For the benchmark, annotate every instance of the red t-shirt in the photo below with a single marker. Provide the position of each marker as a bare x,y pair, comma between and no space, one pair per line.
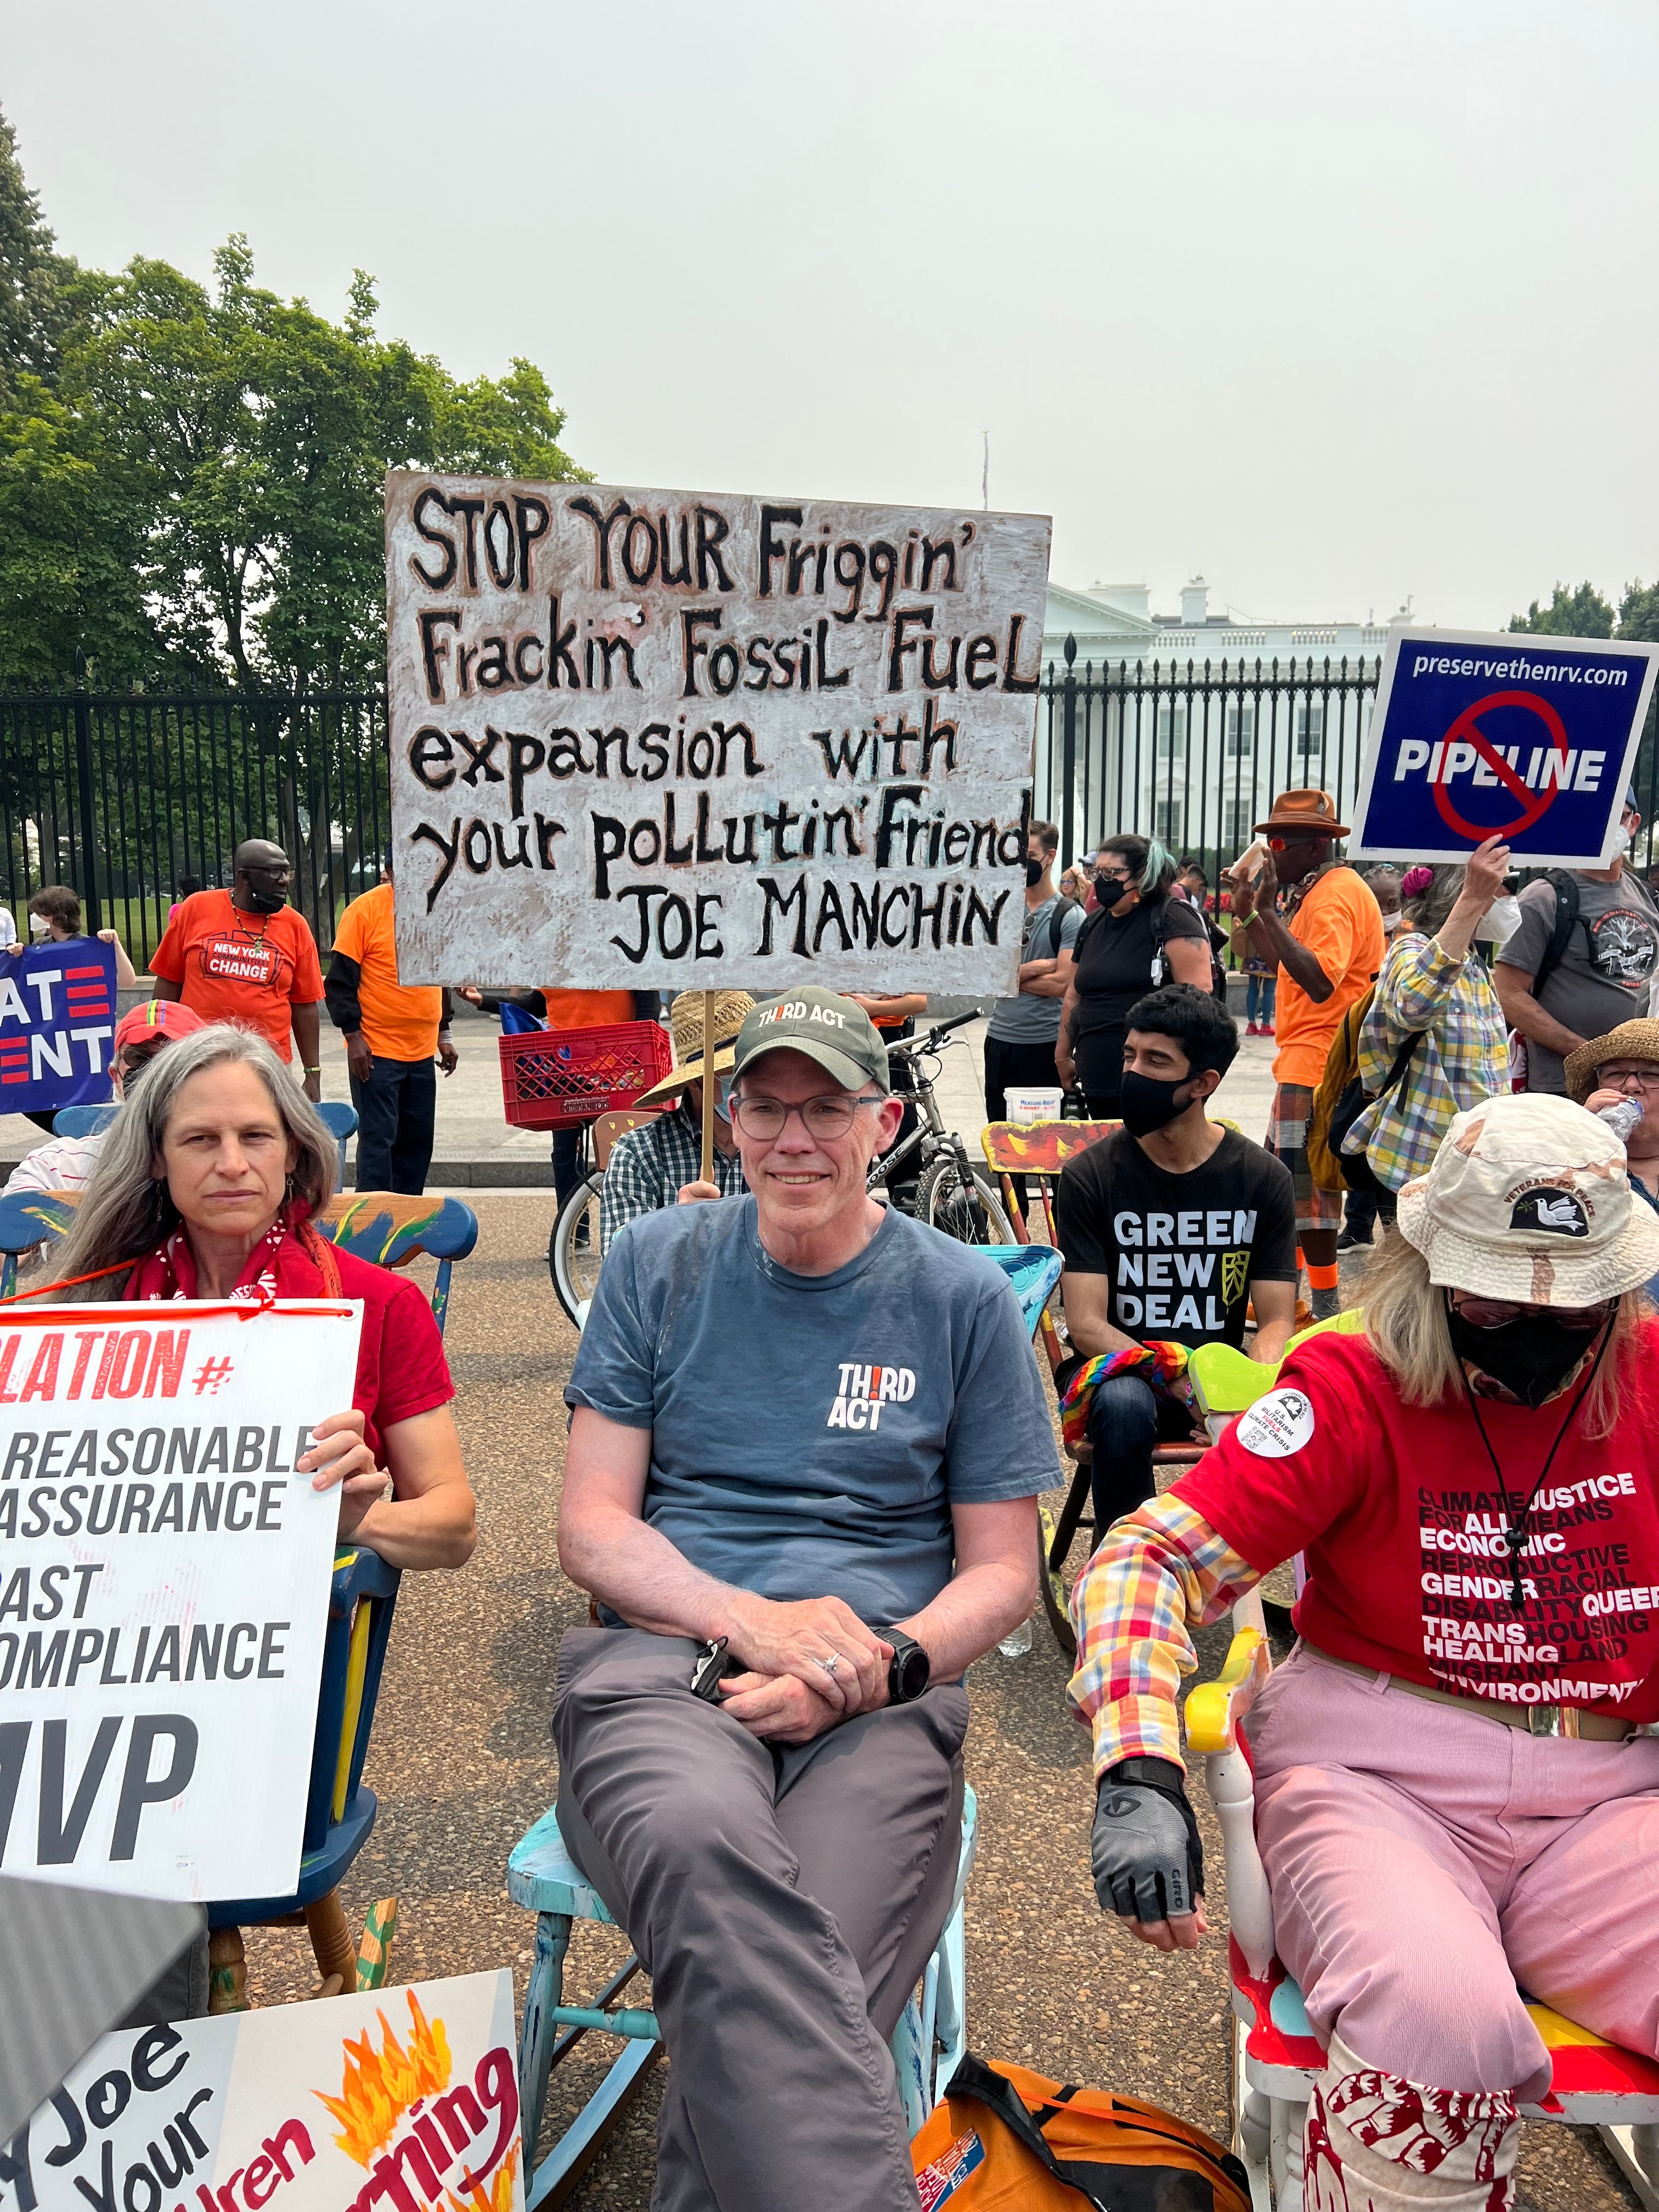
235,967
1398,1513
401,1368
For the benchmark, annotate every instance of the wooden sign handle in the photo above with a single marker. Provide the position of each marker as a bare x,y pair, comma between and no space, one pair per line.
708,1086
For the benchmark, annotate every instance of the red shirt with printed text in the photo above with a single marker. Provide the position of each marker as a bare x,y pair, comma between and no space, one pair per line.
235,967
1402,1522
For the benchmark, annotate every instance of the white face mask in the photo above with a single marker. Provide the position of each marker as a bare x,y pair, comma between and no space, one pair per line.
1621,843
1501,921
39,926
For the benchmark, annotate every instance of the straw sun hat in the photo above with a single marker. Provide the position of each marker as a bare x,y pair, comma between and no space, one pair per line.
685,1027
1630,1041
1528,1199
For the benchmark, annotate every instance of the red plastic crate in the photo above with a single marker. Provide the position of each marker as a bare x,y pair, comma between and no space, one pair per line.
549,1076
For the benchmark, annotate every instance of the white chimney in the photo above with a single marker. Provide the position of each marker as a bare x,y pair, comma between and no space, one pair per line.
1194,604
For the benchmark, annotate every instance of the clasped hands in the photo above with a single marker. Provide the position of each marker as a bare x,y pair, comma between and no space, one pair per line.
809,1666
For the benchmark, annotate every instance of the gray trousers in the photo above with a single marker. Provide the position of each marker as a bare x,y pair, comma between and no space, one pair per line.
784,1900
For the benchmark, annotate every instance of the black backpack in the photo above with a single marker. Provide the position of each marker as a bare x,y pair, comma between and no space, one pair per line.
1057,924
1566,914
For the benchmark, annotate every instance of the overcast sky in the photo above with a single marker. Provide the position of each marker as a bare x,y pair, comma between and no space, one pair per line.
1334,303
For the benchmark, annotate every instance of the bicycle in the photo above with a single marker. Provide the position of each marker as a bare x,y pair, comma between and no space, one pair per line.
947,1189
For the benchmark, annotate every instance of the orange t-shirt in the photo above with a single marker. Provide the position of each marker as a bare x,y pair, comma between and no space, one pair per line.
1341,925
587,1010
400,1021
232,967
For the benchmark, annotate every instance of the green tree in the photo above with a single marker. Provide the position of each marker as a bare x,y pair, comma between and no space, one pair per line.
1638,611
262,433
1583,613
72,535
36,282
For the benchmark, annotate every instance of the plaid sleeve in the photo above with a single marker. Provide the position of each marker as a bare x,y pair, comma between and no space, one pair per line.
633,1185
1162,1569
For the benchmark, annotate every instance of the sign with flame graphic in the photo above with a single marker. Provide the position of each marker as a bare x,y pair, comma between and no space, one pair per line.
396,2100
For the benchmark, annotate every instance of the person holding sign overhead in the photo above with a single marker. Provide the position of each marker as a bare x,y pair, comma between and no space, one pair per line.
244,955
1329,950
1583,959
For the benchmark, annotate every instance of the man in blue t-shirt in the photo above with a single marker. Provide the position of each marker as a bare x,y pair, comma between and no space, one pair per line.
808,1433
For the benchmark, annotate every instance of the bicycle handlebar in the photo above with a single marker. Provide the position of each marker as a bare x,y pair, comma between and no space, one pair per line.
939,1030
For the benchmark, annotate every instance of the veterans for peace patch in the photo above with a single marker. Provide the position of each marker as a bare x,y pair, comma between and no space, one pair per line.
1276,1426
1549,1210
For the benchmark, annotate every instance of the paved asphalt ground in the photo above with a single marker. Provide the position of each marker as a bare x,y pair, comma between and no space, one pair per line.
462,1762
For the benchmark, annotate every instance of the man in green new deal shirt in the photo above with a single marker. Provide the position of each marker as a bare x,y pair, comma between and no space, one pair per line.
1171,1226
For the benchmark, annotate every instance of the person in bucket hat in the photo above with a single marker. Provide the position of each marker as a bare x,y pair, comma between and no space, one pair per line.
1329,949
660,1162
67,1162
1614,1072
1452,1795
807,1441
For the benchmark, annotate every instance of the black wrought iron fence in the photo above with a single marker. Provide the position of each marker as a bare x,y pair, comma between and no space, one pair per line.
128,796
1192,753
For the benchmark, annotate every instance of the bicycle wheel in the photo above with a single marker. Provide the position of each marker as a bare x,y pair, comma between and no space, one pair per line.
971,1212
573,1255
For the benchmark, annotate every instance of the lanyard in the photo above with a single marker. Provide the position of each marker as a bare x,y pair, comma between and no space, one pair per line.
1516,1536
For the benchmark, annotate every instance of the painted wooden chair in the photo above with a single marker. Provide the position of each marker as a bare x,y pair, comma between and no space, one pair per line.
1275,2054
341,1122
926,2045
84,1120
388,1229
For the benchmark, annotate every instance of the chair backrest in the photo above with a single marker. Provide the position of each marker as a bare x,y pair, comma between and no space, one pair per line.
610,1126
84,1120
381,1226
1034,1270
341,1120
389,1230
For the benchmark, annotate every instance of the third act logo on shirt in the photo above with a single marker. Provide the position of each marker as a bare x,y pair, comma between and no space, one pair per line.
866,1391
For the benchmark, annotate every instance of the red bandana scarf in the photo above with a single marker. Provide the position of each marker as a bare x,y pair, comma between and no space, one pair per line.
287,1262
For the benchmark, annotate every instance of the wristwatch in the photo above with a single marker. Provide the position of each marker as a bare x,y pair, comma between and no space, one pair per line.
909,1671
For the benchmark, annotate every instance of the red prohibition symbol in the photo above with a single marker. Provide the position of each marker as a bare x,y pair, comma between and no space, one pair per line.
1466,731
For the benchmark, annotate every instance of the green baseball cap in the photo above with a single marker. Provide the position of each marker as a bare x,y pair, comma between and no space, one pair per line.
837,1032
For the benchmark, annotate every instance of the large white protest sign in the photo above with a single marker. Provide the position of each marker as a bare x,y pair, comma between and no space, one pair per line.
164,1577
650,738
403,2099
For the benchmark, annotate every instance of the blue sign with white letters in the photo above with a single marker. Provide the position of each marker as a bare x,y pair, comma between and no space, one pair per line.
57,1024
1478,734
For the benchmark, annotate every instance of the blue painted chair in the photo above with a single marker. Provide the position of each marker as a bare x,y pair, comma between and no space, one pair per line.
541,1875
84,1120
342,1122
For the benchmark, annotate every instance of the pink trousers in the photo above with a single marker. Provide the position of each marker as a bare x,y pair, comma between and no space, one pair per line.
1424,1860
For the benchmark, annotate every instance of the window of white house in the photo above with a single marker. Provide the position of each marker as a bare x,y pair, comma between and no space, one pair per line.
1310,727
1168,817
1238,816
1241,729
1171,729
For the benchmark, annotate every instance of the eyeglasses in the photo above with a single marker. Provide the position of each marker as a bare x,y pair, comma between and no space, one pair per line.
1495,1313
823,1118
1647,1077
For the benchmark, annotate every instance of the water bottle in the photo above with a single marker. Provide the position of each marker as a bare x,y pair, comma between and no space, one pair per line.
1622,1118
1017,1642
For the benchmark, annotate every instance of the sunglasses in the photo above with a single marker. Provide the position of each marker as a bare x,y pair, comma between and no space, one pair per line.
1496,1313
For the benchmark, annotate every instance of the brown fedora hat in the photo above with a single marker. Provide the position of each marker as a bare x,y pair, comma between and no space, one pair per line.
1303,813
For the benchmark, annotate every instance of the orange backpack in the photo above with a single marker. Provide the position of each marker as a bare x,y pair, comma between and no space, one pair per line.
1007,2140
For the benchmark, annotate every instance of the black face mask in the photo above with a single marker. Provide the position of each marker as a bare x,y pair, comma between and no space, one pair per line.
1035,871
266,901
1531,1356
1145,1104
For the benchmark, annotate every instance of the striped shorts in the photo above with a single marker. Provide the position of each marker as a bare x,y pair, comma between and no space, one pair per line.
1287,1139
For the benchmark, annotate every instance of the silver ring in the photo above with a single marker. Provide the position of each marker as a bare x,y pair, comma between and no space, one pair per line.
830,1664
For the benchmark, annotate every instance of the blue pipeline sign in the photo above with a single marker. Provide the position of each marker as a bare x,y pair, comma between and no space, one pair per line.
57,1024
1476,734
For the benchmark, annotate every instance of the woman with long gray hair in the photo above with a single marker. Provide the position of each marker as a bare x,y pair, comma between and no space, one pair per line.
204,1188
1434,1042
